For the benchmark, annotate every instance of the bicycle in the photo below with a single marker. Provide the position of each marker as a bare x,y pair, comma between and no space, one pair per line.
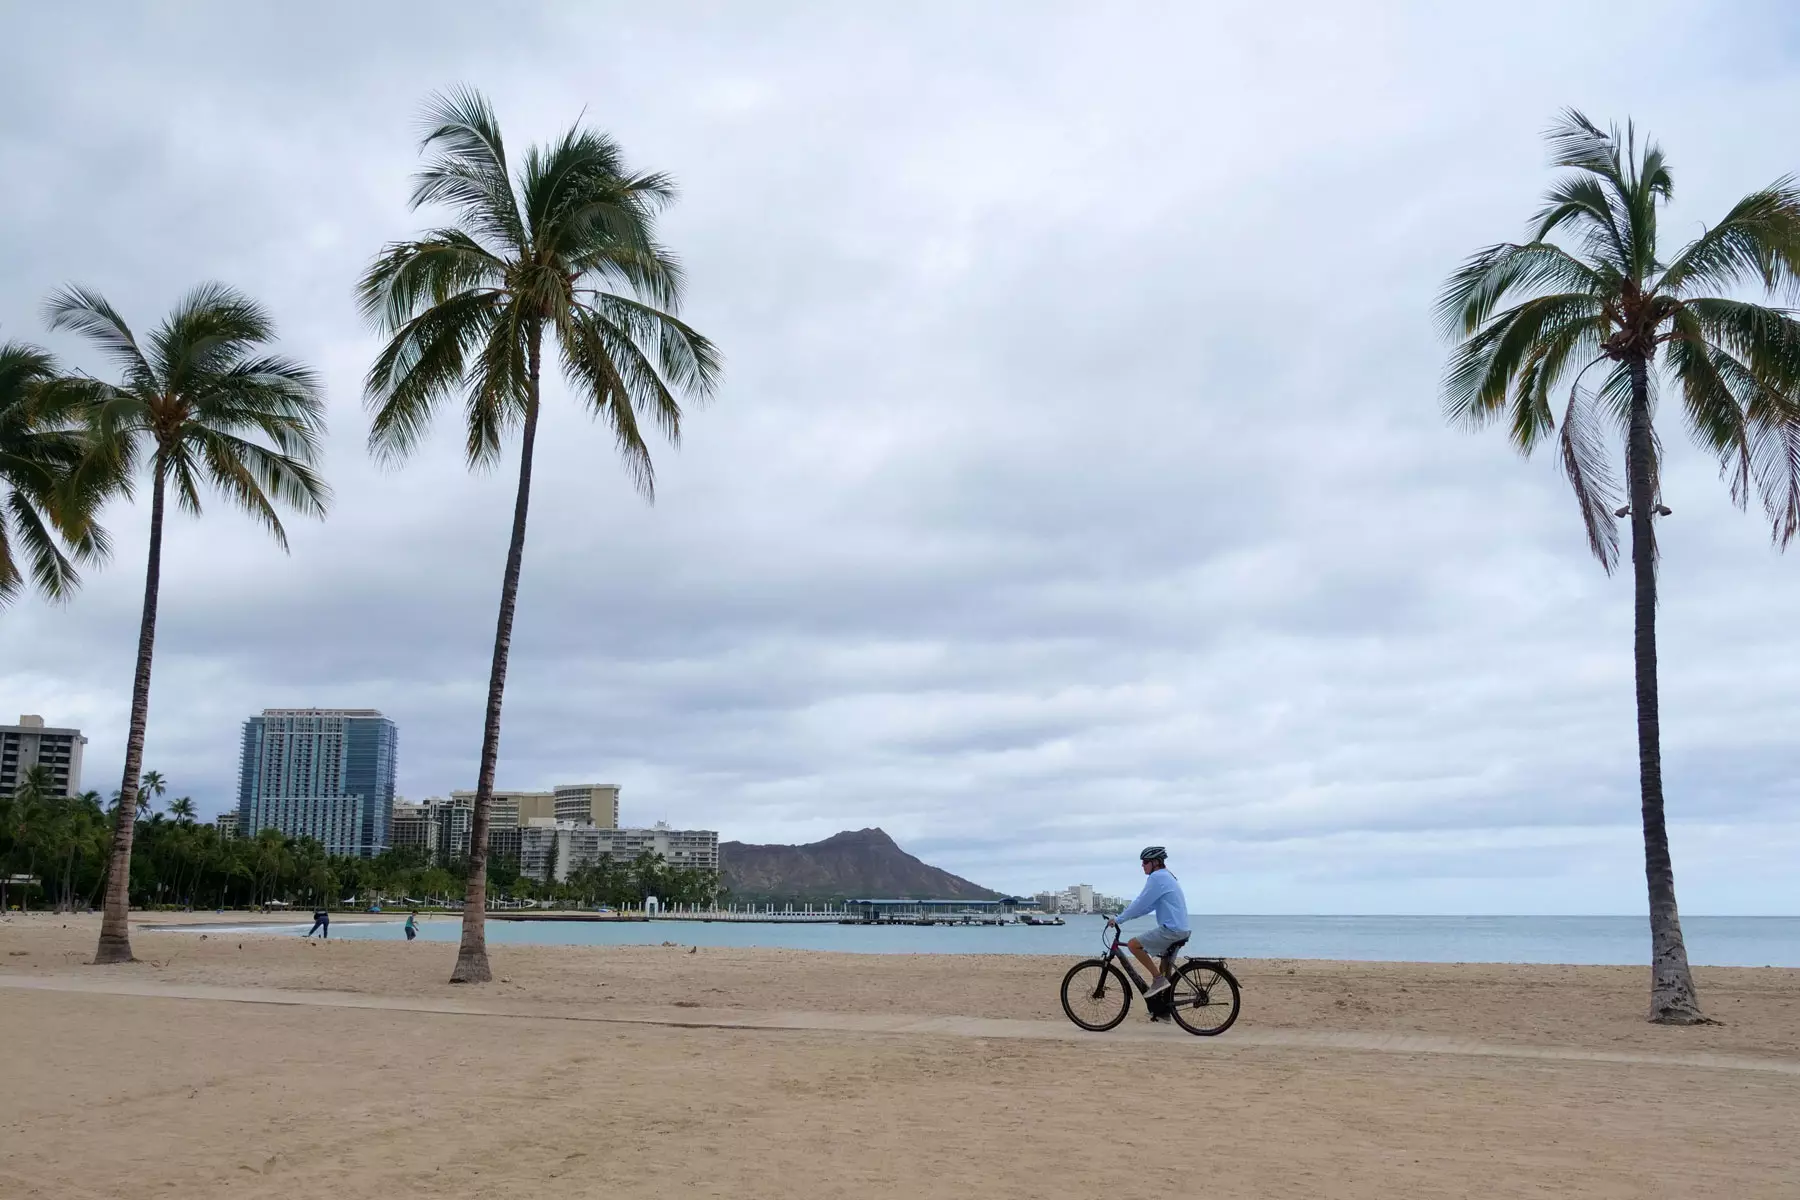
1203,996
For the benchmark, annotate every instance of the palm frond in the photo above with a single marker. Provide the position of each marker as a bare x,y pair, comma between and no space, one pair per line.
465,167
684,357
87,312
408,277
1713,385
209,329
52,572
1758,239
499,388
1485,365
1579,144
1774,420
588,357
177,463
1490,274
1586,462
1584,203
252,476
423,363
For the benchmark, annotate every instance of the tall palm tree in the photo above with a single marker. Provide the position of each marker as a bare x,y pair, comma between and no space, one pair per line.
182,809
562,247
46,501
1604,300
201,401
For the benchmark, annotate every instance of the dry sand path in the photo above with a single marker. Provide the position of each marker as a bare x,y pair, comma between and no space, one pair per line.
264,1067
695,1017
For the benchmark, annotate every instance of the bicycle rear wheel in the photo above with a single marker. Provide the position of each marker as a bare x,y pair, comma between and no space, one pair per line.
1095,995
1205,998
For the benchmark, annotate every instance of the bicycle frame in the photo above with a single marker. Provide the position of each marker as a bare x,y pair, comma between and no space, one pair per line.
1128,961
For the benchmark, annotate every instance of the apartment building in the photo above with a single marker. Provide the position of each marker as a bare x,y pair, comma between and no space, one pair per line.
31,743
551,850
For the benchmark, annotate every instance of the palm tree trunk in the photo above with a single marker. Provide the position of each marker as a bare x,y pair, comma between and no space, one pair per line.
1672,998
471,956
115,931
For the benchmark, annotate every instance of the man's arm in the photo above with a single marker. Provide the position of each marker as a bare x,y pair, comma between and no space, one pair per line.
1144,903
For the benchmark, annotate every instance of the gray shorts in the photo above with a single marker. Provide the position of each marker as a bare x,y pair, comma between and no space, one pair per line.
1156,942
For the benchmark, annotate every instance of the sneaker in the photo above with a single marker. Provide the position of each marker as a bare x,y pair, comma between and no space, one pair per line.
1157,988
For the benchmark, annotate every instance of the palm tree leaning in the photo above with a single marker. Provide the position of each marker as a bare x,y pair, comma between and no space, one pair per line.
562,247
200,402
1609,300
46,501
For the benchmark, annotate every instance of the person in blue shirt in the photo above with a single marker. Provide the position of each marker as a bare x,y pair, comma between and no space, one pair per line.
1161,895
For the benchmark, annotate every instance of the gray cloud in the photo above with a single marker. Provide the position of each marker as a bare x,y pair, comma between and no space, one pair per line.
1078,480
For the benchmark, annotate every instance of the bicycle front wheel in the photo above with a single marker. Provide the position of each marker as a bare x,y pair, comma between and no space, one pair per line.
1095,995
1205,998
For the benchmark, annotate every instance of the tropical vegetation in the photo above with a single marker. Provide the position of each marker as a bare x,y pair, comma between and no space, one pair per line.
559,254
62,844
1571,338
201,402
46,502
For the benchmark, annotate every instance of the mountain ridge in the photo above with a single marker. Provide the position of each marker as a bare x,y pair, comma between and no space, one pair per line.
853,864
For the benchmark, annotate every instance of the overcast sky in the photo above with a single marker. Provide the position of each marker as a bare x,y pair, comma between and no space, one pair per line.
1078,479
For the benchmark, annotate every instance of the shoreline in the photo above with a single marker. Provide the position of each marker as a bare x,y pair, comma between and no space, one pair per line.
1572,1005
1768,943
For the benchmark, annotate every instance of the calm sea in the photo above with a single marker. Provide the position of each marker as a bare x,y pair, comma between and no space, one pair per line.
1711,941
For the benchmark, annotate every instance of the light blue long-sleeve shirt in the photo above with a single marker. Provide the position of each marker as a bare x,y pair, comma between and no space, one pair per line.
1162,895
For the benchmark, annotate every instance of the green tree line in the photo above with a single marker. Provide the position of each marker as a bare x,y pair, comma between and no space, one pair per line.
63,845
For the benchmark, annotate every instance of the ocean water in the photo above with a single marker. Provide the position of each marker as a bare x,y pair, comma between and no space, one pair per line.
1711,941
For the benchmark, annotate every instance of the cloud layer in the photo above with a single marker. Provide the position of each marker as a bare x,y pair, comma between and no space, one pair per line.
1078,481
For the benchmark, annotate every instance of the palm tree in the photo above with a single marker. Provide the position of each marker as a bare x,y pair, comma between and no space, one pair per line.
201,401
46,502
564,247
1609,300
151,787
182,809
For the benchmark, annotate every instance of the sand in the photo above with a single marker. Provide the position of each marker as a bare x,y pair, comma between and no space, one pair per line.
108,1095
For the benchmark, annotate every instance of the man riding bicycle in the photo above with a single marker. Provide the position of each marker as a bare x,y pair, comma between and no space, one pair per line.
1161,895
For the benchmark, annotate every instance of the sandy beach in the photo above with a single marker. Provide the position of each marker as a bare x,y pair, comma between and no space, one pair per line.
653,1071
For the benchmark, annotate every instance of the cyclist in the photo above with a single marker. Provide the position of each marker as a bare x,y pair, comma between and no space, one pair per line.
1161,895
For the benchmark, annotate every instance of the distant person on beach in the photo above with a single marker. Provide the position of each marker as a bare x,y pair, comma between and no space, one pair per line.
1161,895
321,921
412,924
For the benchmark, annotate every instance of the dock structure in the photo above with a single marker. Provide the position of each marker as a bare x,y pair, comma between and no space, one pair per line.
904,911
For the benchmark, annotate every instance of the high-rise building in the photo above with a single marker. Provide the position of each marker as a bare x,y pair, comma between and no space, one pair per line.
322,773
30,744
595,804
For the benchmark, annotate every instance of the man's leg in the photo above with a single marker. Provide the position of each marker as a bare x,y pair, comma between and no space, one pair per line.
1137,952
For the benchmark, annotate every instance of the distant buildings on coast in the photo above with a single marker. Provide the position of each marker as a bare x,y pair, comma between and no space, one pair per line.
30,744
1078,898
328,774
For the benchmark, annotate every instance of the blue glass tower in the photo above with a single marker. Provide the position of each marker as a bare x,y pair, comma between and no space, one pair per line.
322,773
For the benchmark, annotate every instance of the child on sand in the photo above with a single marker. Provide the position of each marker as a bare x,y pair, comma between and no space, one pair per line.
412,924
